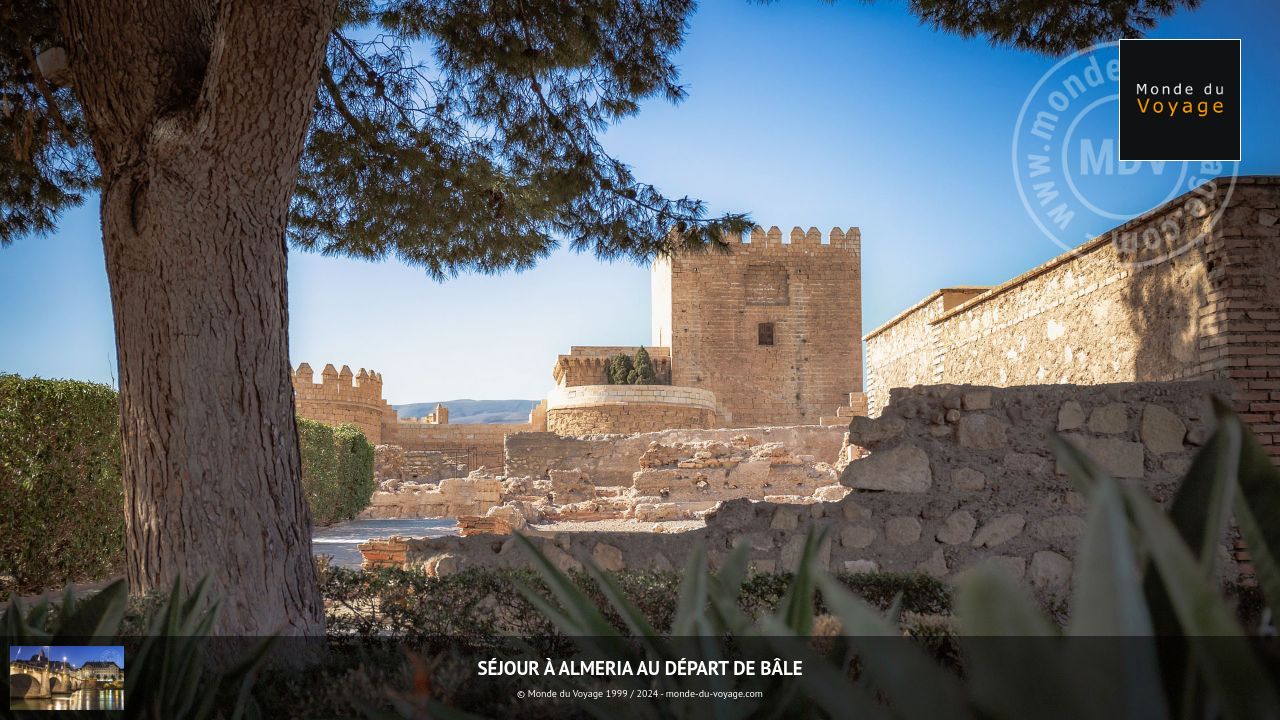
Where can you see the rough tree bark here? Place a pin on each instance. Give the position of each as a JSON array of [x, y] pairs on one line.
[[198, 112]]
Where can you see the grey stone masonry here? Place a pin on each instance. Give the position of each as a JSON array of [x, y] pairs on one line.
[[929, 498]]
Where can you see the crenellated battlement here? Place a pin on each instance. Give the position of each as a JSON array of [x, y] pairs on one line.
[[773, 239], [343, 396], [772, 327], [589, 365], [363, 385]]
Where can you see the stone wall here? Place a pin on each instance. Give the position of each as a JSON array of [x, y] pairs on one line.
[[484, 439], [1114, 311], [451, 497], [596, 409], [589, 364], [342, 397], [394, 463], [611, 460], [956, 475], [709, 309], [900, 352]]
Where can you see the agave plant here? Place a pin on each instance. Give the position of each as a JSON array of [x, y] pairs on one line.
[[707, 613], [1150, 634], [169, 673]]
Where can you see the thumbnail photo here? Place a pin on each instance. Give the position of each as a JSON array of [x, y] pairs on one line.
[[66, 677]]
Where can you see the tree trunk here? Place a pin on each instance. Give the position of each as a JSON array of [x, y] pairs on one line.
[[198, 113]]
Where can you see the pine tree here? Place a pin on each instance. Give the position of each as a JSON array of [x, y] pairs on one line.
[[1049, 26], [453, 135], [620, 367], [642, 369]]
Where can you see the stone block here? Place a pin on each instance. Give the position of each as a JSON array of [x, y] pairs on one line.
[[561, 559], [957, 528], [999, 531], [977, 400], [865, 430], [857, 536], [904, 468], [793, 550], [936, 565], [1161, 430], [861, 566], [853, 511], [832, 493], [607, 557], [658, 512], [761, 542], [1027, 465], [784, 518], [441, 565], [1070, 416], [1109, 419], [981, 432], [902, 530], [968, 479], [1059, 526], [1176, 465], [1050, 571], [1119, 458]]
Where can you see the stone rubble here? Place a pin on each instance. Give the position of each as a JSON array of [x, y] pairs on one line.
[[679, 480]]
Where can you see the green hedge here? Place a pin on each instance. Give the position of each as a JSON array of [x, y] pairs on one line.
[[61, 493], [337, 470], [355, 468], [61, 497]]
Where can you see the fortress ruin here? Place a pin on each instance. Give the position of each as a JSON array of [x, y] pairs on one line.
[[764, 333], [1209, 310], [758, 427]]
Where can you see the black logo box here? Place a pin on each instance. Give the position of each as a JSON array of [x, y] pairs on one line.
[[1186, 65]]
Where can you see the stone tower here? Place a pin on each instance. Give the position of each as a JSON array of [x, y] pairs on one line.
[[773, 328]]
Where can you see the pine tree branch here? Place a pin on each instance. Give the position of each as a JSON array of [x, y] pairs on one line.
[[356, 124], [47, 94]]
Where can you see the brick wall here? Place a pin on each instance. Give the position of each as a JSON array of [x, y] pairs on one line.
[[1094, 316], [1241, 315], [708, 309]]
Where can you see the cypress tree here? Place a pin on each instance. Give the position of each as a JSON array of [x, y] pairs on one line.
[[620, 369], [642, 370]]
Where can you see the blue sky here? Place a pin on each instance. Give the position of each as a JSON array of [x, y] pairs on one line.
[[77, 655], [800, 112]]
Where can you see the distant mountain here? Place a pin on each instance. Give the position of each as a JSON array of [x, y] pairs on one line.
[[470, 412]]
